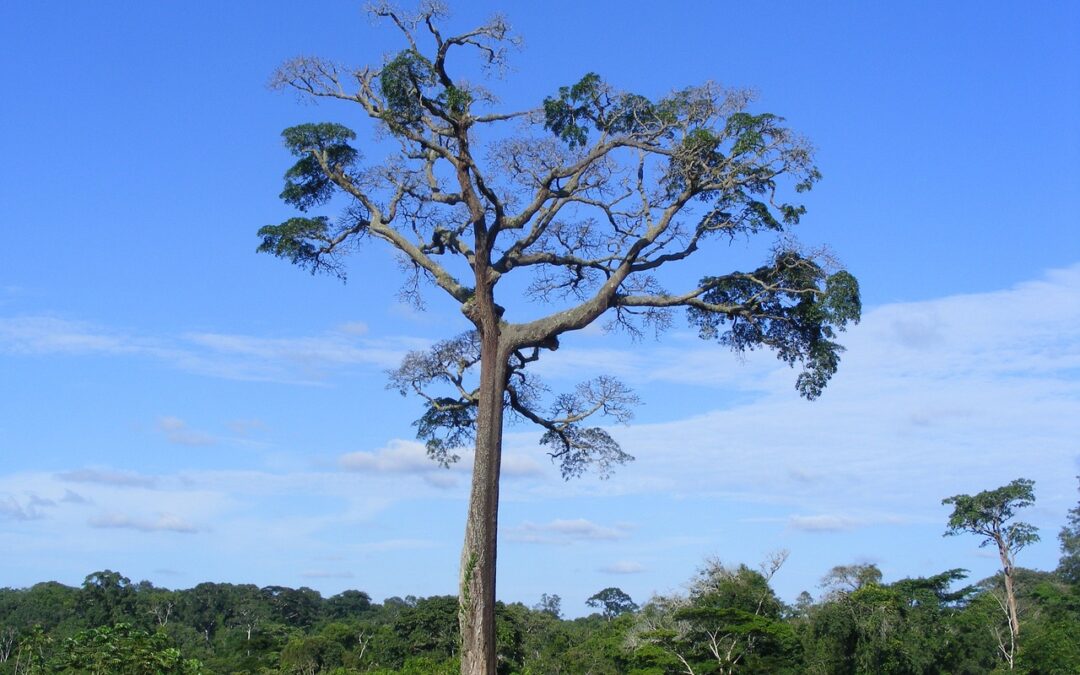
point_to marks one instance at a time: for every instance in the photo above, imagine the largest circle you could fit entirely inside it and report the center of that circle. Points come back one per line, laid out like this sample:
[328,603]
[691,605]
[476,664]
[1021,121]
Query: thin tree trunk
[476,611]
[1010,593]
[1011,596]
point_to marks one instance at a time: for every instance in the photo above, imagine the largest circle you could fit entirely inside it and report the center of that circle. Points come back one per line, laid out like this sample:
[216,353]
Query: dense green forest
[728,620]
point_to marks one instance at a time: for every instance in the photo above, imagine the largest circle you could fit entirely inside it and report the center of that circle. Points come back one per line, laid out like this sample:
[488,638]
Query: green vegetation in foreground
[728,621]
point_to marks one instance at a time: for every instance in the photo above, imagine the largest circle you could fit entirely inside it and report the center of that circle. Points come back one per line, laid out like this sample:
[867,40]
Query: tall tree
[586,197]
[988,515]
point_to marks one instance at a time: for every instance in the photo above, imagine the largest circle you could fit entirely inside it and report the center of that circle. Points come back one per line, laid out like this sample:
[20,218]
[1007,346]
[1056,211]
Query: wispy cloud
[109,477]
[318,351]
[353,328]
[72,497]
[178,432]
[324,574]
[623,567]
[305,359]
[563,532]
[932,398]
[410,457]
[822,523]
[164,522]
[12,509]
[51,335]
[395,545]
[246,427]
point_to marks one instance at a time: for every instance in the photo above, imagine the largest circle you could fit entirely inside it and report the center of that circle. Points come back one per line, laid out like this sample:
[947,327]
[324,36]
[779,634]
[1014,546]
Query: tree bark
[1010,593]
[476,610]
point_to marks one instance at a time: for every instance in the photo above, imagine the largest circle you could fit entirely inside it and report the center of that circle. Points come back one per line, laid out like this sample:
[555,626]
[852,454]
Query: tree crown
[586,196]
[988,514]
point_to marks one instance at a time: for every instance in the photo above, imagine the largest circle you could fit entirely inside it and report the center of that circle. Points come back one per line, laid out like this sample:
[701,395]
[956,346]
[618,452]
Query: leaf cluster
[988,514]
[792,306]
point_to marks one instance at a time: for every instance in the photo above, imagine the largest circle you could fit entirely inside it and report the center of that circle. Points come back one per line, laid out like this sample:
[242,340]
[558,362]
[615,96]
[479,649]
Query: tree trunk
[1010,592]
[476,603]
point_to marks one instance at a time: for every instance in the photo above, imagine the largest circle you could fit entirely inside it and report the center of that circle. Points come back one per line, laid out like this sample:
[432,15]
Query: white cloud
[165,522]
[560,531]
[410,457]
[932,398]
[520,465]
[623,567]
[397,457]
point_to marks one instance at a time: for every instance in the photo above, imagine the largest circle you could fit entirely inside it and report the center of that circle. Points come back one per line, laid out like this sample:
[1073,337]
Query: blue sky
[177,407]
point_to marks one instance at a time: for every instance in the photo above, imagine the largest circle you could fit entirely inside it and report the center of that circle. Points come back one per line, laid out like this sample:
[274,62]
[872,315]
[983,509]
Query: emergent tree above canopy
[588,196]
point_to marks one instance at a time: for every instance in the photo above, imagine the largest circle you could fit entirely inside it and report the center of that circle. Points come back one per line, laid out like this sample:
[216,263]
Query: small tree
[586,197]
[987,514]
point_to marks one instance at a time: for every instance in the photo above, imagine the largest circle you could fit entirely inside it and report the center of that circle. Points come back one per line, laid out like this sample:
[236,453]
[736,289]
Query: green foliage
[904,627]
[456,101]
[323,150]
[106,598]
[551,604]
[612,602]
[311,654]
[122,650]
[430,627]
[1050,642]
[912,626]
[446,425]
[567,115]
[725,168]
[402,84]
[348,604]
[48,605]
[293,606]
[987,514]
[592,104]
[296,241]
[793,307]
[1069,565]
[580,448]
[732,621]
[596,646]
